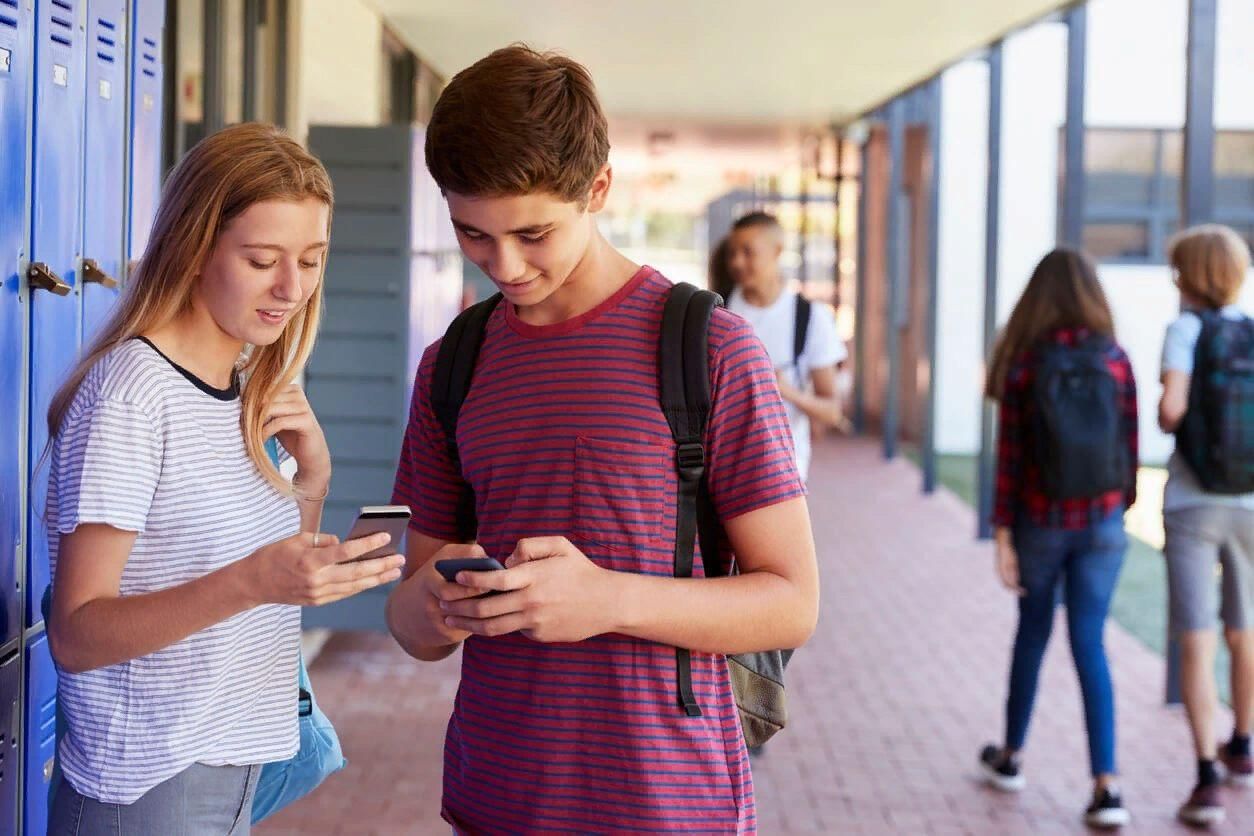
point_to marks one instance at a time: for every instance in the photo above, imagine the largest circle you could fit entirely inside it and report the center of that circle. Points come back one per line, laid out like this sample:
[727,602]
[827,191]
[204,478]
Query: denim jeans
[199,801]
[1087,563]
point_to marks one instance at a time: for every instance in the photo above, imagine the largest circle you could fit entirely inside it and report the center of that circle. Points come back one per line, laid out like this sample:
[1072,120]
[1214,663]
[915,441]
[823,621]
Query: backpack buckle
[690,456]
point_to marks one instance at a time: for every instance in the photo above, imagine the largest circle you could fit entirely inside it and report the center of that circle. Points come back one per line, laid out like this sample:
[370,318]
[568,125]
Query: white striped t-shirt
[147,447]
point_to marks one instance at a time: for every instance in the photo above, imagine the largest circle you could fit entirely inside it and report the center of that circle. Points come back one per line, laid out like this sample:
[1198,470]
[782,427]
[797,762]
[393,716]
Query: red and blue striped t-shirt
[563,434]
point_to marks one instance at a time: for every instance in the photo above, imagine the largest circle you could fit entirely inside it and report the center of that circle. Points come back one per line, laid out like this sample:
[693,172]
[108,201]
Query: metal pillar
[1198,185]
[1071,221]
[895,273]
[1197,193]
[860,307]
[933,98]
[992,228]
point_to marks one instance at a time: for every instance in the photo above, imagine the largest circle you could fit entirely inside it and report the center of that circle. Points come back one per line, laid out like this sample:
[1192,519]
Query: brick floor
[890,701]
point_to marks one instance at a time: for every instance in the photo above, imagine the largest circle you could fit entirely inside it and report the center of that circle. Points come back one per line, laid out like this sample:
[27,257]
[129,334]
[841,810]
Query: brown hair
[1210,263]
[720,277]
[518,122]
[1063,293]
[216,182]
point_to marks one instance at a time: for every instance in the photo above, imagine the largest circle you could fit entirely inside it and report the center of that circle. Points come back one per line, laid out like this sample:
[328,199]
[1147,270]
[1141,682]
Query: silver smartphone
[375,518]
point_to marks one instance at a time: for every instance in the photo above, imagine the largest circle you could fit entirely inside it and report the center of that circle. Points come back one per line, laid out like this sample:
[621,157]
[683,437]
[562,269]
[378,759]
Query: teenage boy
[566,718]
[807,378]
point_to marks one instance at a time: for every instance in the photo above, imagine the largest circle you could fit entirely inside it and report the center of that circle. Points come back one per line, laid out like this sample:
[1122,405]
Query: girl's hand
[1007,564]
[290,418]
[296,571]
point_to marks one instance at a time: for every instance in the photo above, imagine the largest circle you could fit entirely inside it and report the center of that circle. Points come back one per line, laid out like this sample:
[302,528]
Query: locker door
[104,161]
[15,67]
[39,735]
[10,771]
[146,69]
[53,279]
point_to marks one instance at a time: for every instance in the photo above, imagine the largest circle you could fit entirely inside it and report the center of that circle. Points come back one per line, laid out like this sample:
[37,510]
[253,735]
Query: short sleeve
[105,467]
[751,460]
[1180,343]
[823,348]
[427,480]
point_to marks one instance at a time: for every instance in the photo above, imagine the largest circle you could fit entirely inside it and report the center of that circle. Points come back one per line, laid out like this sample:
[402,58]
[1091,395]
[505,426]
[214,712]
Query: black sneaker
[1107,810]
[1001,772]
[1204,806]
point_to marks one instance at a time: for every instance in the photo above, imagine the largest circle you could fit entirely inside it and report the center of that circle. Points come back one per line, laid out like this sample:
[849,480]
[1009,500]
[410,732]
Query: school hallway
[890,701]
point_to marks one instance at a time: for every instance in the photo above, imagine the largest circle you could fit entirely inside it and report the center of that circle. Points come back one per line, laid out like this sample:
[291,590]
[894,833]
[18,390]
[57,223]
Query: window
[1133,190]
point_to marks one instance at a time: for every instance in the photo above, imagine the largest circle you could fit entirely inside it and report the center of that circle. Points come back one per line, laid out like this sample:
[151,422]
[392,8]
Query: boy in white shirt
[800,337]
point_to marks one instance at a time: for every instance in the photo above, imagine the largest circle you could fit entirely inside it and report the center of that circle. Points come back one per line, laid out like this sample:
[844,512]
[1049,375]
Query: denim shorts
[199,801]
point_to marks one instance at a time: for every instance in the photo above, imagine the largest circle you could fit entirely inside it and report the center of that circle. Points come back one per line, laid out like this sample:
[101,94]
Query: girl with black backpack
[1208,504]
[1066,471]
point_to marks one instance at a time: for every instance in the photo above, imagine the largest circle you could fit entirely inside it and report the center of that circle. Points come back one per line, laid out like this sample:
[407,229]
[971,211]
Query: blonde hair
[1211,261]
[214,183]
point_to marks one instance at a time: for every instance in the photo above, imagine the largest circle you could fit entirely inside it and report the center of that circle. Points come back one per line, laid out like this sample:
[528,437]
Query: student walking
[177,549]
[595,694]
[799,336]
[1208,504]
[1066,472]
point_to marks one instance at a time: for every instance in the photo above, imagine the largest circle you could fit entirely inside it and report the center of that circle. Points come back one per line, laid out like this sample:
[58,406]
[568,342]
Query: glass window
[1117,241]
[1234,170]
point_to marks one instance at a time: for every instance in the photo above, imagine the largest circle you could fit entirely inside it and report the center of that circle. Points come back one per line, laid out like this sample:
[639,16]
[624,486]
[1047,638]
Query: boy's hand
[551,592]
[438,591]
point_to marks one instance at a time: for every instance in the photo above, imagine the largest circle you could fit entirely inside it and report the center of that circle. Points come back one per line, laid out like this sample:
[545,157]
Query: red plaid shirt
[1019,493]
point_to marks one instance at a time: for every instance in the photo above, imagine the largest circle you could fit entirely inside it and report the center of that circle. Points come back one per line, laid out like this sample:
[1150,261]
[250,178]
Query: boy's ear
[600,190]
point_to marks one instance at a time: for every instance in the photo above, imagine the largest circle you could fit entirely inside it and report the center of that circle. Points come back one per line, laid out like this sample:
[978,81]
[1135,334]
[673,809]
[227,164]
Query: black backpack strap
[800,330]
[450,384]
[683,364]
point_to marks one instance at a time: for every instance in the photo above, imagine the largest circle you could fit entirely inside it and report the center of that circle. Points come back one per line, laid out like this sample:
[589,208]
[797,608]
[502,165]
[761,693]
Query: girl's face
[264,268]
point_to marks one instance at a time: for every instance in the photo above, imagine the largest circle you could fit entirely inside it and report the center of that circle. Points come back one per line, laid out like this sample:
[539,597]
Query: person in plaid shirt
[1043,540]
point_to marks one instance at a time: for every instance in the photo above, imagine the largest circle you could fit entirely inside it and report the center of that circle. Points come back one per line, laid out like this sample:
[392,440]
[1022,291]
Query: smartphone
[449,568]
[375,518]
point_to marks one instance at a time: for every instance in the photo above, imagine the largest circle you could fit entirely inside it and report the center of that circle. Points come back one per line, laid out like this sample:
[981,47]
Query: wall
[1033,109]
[339,78]
[960,275]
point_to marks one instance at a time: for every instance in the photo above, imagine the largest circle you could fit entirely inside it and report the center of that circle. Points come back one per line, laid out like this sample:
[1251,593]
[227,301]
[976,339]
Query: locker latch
[48,768]
[41,277]
[93,274]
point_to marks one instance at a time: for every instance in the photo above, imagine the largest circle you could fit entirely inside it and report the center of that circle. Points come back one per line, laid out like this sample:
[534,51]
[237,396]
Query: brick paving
[890,701]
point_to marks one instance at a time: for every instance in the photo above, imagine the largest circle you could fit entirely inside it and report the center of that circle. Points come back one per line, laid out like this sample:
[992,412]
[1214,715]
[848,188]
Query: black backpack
[800,330]
[1078,440]
[684,390]
[1216,437]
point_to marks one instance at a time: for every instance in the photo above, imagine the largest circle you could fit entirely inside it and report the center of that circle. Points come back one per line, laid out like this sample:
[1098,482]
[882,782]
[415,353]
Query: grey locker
[393,284]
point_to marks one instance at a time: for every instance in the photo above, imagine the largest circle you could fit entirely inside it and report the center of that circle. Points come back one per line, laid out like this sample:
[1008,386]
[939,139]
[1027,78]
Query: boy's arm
[553,593]
[413,609]
[823,404]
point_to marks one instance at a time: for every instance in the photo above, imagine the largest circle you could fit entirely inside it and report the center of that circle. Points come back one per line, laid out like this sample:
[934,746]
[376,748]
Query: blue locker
[15,67]
[55,238]
[104,161]
[148,17]
[10,697]
[39,735]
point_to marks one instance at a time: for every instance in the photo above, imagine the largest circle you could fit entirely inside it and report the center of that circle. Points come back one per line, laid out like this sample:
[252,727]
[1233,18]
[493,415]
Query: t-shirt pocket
[620,493]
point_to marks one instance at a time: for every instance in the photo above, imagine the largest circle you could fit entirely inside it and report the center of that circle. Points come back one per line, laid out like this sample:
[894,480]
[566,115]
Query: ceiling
[810,62]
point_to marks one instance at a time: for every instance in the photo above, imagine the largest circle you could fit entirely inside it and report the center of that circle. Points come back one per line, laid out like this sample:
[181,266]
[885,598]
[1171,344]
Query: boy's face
[527,244]
[753,256]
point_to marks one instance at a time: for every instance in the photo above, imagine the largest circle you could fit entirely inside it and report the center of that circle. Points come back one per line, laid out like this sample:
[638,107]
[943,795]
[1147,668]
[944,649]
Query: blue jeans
[1087,563]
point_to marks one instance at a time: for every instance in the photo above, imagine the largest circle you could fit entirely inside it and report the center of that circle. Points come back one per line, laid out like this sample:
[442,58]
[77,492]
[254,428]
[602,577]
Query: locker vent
[62,31]
[150,58]
[6,19]
[105,43]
